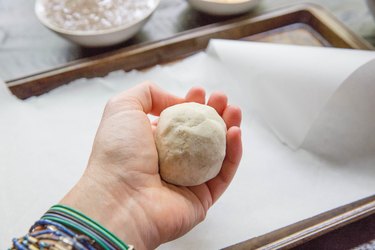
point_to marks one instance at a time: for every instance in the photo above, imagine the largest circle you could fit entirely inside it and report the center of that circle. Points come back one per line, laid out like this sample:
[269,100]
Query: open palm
[124,162]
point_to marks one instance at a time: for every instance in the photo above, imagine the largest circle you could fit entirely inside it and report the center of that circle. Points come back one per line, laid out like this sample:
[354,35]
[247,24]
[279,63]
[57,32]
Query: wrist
[115,208]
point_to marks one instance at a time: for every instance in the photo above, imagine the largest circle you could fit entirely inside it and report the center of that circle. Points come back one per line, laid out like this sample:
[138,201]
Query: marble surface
[27,47]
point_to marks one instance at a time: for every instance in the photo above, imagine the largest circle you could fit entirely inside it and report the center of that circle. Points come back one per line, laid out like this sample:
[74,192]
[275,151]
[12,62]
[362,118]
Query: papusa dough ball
[191,142]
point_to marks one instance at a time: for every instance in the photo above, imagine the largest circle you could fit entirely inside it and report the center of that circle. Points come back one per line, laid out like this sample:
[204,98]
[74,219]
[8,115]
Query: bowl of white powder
[224,7]
[95,23]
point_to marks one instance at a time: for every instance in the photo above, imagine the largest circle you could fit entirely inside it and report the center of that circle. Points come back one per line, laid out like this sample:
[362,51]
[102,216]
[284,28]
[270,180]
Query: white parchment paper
[289,85]
[46,141]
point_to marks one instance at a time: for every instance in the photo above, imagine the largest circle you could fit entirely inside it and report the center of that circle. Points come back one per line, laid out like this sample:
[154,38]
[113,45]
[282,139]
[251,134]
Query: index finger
[146,97]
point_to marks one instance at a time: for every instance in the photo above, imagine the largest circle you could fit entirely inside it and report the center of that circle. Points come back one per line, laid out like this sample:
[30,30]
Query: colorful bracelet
[63,228]
[45,234]
[87,223]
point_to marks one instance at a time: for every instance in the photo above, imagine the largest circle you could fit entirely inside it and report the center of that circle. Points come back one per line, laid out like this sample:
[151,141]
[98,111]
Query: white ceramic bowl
[222,7]
[99,38]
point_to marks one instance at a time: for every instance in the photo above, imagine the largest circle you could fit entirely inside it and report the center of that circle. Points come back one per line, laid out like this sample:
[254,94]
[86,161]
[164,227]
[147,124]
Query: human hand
[121,187]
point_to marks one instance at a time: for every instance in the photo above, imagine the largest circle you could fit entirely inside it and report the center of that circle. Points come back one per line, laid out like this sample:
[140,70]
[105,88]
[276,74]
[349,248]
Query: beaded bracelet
[45,234]
[68,216]
[59,227]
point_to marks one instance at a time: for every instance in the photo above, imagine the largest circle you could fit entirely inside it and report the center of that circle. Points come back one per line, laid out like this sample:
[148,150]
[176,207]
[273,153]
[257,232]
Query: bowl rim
[227,3]
[45,21]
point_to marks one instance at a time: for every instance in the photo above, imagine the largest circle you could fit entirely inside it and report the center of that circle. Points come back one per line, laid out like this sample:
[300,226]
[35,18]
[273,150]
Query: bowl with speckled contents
[93,23]
[224,7]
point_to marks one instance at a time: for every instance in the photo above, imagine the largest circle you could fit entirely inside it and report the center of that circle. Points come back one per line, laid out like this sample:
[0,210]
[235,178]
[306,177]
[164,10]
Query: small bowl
[95,38]
[222,7]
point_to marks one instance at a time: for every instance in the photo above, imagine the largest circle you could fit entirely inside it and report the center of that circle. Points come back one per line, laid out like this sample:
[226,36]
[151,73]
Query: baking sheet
[304,24]
[46,141]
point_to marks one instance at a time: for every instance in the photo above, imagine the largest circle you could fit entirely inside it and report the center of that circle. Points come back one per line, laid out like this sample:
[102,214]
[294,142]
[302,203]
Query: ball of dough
[191,142]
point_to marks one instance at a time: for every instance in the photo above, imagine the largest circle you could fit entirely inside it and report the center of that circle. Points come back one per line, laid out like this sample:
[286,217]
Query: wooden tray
[342,228]
[299,24]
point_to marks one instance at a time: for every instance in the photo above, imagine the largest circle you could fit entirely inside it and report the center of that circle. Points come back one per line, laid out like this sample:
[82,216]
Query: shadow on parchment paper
[344,133]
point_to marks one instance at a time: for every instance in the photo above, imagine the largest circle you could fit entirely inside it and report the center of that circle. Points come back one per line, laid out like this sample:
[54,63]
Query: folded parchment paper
[290,85]
[319,101]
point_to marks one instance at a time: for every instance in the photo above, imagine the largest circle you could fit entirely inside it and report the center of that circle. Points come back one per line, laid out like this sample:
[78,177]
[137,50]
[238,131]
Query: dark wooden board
[150,54]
